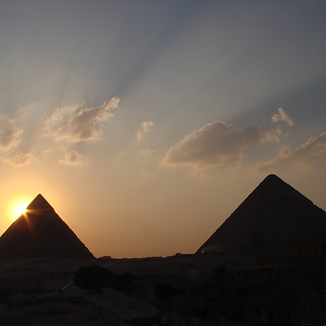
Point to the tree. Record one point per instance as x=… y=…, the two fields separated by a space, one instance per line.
x=94 y=278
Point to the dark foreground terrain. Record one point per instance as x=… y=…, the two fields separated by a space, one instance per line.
x=33 y=293
x=279 y=289
x=39 y=291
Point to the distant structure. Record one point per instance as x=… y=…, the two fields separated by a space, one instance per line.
x=274 y=217
x=217 y=249
x=40 y=232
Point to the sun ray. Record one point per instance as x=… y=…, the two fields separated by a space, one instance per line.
x=18 y=208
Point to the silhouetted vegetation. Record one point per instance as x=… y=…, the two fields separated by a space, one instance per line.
x=94 y=278
x=164 y=292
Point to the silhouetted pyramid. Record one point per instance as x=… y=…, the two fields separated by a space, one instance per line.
x=40 y=232
x=273 y=217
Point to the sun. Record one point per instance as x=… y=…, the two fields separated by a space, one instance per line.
x=18 y=208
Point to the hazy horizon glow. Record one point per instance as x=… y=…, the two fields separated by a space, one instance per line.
x=146 y=123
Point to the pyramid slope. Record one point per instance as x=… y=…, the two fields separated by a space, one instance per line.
x=39 y=202
x=273 y=217
x=41 y=233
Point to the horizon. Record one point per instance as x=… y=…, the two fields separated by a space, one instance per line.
x=39 y=202
x=145 y=124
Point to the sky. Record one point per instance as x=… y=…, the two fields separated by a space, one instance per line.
x=146 y=123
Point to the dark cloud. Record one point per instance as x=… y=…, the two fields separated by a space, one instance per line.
x=218 y=145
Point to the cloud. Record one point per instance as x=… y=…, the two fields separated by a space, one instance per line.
x=144 y=129
x=83 y=124
x=71 y=124
x=73 y=158
x=281 y=116
x=303 y=156
x=147 y=152
x=218 y=145
x=10 y=133
x=10 y=138
x=19 y=160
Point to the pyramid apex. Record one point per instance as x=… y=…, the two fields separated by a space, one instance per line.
x=272 y=181
x=39 y=202
x=272 y=176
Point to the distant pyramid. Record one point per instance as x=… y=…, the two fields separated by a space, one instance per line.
x=272 y=218
x=40 y=232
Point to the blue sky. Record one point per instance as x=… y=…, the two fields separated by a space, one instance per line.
x=149 y=122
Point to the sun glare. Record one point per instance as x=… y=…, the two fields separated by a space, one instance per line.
x=17 y=209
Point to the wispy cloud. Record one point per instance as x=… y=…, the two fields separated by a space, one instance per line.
x=73 y=158
x=144 y=129
x=10 y=133
x=147 y=152
x=10 y=138
x=80 y=124
x=219 y=146
x=281 y=116
x=303 y=156
x=20 y=159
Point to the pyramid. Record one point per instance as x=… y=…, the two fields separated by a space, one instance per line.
x=40 y=232
x=273 y=217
